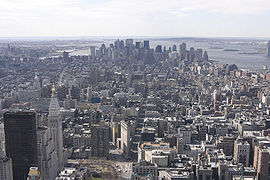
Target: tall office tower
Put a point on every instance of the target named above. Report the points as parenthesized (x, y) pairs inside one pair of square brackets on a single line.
[(5, 167), (162, 126), (74, 92), (192, 54), (241, 152), (125, 137), (205, 56), (89, 93), (100, 140), (93, 52), (183, 50), (174, 48), (137, 45), (180, 146), (66, 56), (129, 42), (199, 54), (146, 45), (62, 92), (261, 162), (119, 44), (158, 49), (103, 50), (170, 50), (21, 141), (48, 161), (164, 49), (55, 125), (268, 49)]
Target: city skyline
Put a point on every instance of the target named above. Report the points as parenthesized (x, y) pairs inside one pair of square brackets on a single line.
[(134, 89), (196, 18), (129, 111)]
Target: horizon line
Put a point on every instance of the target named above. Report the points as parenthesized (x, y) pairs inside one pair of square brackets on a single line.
[(126, 37)]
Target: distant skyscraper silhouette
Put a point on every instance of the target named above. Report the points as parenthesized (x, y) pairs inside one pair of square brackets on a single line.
[(146, 45), (93, 52), (268, 49), (66, 56), (183, 50)]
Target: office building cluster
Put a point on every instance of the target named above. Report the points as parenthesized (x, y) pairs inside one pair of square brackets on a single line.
[(131, 111)]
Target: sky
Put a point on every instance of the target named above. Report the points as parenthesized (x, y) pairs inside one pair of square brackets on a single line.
[(170, 18)]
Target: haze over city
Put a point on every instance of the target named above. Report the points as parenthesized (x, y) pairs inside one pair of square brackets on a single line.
[(173, 18)]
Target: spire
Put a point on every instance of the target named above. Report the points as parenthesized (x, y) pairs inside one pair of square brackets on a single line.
[(53, 91), (36, 77), (54, 105)]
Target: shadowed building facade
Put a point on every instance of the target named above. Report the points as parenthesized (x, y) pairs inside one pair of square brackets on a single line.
[(21, 141)]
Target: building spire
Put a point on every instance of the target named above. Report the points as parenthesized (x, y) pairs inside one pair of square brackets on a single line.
[(53, 91)]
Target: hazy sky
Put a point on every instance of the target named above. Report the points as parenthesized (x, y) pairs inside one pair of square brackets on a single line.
[(193, 18)]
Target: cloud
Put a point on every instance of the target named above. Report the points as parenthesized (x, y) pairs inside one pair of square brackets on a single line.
[(230, 6), (74, 17)]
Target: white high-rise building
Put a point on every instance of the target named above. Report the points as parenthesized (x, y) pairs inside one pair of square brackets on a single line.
[(5, 167), (125, 137), (47, 156), (55, 125), (36, 83)]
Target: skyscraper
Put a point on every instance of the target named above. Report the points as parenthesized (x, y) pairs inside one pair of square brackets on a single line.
[(146, 45), (137, 45), (241, 152), (100, 140), (5, 167), (192, 54), (125, 137), (55, 125), (158, 49), (129, 42), (174, 48), (93, 52), (21, 141), (74, 92), (48, 160), (183, 50), (66, 56), (268, 49), (205, 56), (261, 160)]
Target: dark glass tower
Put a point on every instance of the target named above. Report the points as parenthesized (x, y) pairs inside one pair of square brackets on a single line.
[(146, 45), (100, 140), (21, 141)]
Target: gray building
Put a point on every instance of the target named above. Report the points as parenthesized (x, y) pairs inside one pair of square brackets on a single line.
[(5, 168), (100, 140)]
